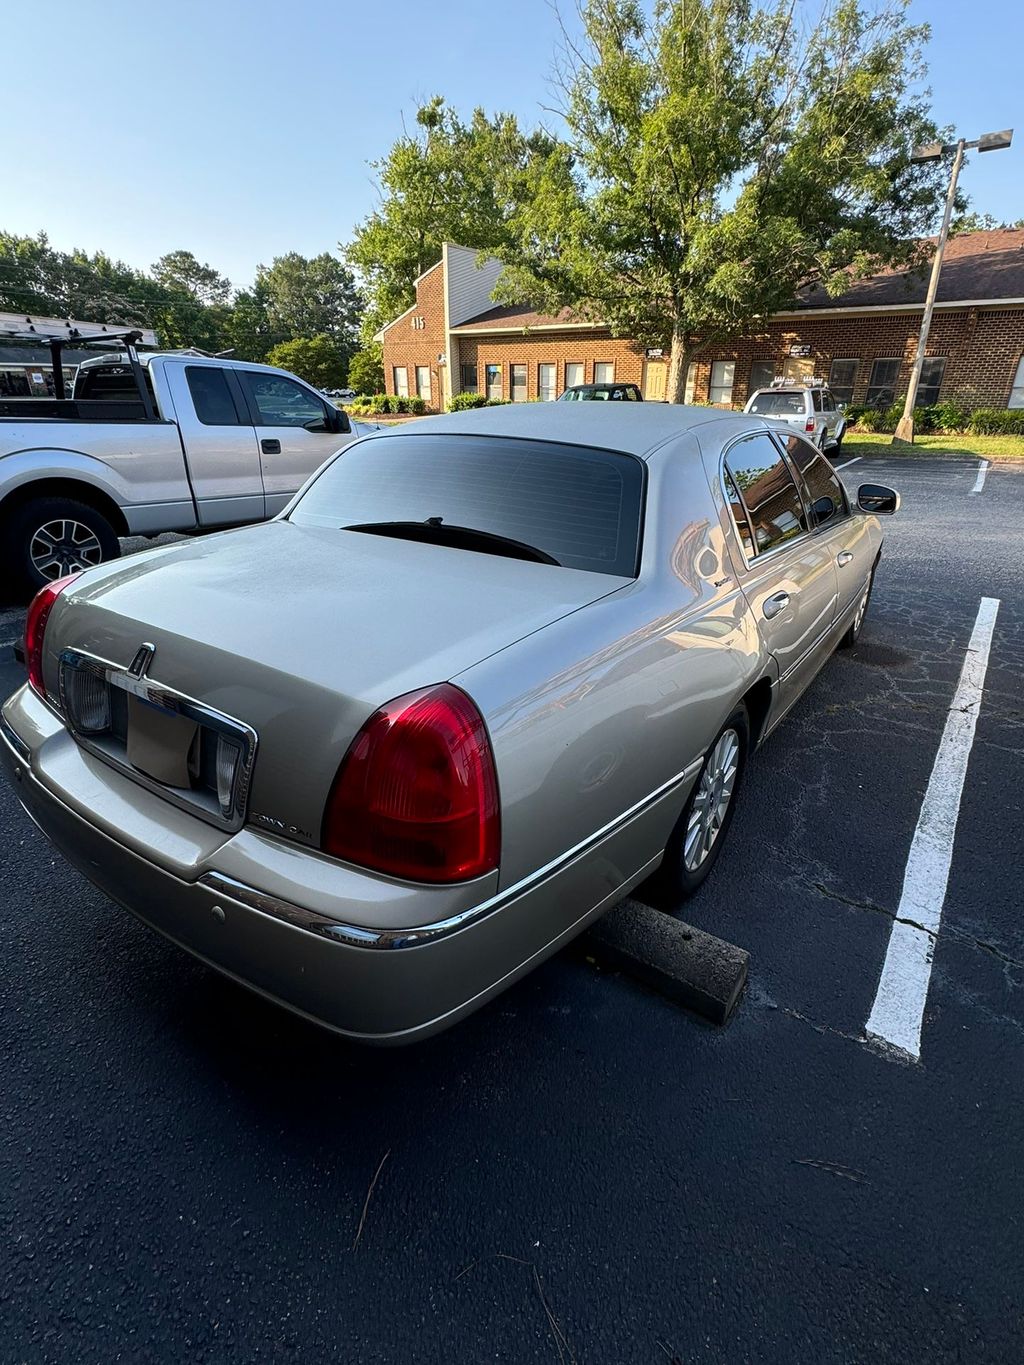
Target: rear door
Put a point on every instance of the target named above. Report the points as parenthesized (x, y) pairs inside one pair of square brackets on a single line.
[(220, 444), (291, 430), (848, 536), (789, 574)]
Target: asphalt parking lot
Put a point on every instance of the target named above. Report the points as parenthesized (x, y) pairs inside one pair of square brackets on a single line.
[(581, 1172)]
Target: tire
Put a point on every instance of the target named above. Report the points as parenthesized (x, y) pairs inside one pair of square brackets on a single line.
[(75, 535), (684, 870), (837, 445), (852, 635)]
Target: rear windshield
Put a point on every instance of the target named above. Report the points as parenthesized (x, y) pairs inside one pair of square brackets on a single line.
[(579, 505), (779, 404)]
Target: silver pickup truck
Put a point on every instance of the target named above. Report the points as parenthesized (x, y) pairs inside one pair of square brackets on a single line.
[(151, 443)]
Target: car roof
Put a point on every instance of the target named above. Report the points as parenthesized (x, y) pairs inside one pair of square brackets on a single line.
[(635, 428)]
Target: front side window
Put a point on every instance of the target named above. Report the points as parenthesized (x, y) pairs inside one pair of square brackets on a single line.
[(468, 378), (579, 505), (931, 380), (826, 494), (518, 376), (211, 396), (773, 501), (547, 381), (573, 373), (401, 380), (604, 372), (282, 402), (882, 387), (842, 377), (723, 372), (1017, 391), (492, 374)]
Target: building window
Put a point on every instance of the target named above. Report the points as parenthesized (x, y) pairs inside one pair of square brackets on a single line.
[(604, 372), (492, 377), (1017, 391), (882, 387), (400, 376), (547, 382), (931, 380), (467, 380), (723, 372), (573, 373), (691, 382), (762, 372), (423, 382), (842, 377), (518, 375)]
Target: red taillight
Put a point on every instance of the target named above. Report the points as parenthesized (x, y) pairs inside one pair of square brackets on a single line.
[(809, 424), (416, 795), (35, 630)]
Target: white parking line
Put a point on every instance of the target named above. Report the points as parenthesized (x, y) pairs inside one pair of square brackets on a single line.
[(898, 1010), (979, 482), (847, 463)]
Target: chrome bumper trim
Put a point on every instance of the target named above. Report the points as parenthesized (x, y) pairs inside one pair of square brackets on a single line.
[(14, 740), (359, 936)]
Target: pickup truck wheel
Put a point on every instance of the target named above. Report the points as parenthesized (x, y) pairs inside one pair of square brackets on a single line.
[(700, 831), (52, 537)]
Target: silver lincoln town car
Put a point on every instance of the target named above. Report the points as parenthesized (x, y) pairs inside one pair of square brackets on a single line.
[(380, 756)]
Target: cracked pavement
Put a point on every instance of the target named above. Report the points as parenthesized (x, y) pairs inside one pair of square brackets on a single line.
[(186, 1172)]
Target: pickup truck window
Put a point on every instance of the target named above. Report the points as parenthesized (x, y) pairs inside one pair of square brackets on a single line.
[(578, 506), (280, 402), (211, 396)]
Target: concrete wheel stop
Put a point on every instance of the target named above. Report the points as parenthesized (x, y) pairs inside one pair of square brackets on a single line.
[(685, 965)]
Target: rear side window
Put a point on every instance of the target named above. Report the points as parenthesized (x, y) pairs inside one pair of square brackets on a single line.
[(211, 396), (826, 493), (580, 505), (739, 516), (766, 485)]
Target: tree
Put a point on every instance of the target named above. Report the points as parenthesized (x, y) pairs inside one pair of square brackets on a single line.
[(721, 156), (448, 181), (249, 332), (366, 369), (979, 222), (311, 297), (317, 360), (181, 272)]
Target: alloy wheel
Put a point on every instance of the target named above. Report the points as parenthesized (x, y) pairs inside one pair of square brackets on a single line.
[(64, 547), (711, 800)]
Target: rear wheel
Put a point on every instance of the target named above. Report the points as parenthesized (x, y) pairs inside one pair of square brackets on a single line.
[(49, 538), (852, 634), (700, 831)]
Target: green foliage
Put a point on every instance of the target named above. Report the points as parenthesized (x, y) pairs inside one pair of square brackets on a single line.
[(721, 156), (310, 297), (317, 360), (462, 402), (949, 415), (366, 369), (180, 271), (448, 181), (997, 422)]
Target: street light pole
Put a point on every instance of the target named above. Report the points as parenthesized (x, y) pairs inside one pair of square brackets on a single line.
[(989, 142)]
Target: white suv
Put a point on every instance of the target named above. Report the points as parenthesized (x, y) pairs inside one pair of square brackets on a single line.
[(810, 408)]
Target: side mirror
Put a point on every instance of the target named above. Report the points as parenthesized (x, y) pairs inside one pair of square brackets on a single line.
[(876, 498), (339, 421)]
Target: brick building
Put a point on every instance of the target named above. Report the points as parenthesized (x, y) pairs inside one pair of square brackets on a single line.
[(454, 339)]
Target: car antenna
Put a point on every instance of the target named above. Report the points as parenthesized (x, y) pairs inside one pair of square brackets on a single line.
[(433, 521)]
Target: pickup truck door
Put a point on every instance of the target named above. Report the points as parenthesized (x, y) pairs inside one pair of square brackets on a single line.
[(292, 432), (789, 575), (221, 449)]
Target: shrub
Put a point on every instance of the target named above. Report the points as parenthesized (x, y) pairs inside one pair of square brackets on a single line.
[(950, 415), (462, 402), (417, 405), (853, 413), (997, 422), (497, 402)]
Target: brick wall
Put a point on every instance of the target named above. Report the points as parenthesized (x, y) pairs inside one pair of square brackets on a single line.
[(407, 344), (981, 346)]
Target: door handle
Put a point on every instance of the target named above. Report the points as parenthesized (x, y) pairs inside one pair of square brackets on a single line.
[(843, 557), (270, 447), (773, 605)]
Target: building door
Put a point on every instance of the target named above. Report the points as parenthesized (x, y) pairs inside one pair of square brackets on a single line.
[(797, 369), (654, 380)]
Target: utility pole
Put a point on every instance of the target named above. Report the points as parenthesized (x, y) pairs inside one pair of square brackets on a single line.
[(934, 151)]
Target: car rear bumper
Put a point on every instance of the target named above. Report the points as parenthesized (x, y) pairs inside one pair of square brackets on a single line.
[(363, 975)]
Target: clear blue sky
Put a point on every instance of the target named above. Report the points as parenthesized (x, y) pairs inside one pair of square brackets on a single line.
[(240, 129)]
